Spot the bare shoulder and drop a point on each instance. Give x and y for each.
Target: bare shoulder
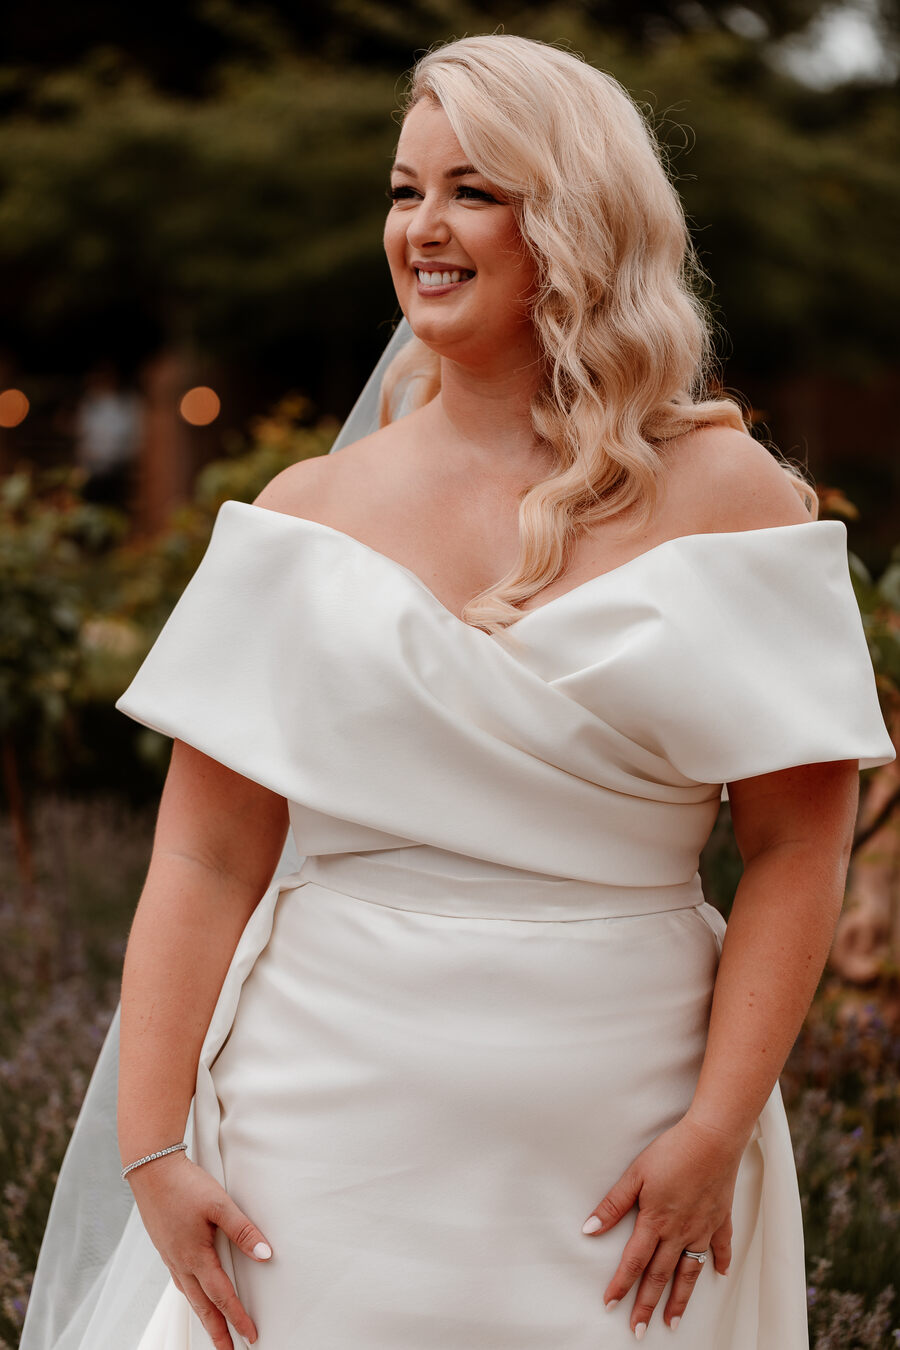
(730, 482)
(301, 488)
(333, 482)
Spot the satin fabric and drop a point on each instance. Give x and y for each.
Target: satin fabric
(487, 986)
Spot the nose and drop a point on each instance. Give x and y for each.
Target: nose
(428, 223)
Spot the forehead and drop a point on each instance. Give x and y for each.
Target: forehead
(426, 134)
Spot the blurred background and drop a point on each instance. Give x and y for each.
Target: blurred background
(193, 291)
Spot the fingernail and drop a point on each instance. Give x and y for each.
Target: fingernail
(262, 1251)
(726, 1270)
(592, 1225)
(613, 1303)
(639, 1331)
(674, 1322)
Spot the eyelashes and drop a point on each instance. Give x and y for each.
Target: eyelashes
(403, 192)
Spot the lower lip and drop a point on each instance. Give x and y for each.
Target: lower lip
(441, 290)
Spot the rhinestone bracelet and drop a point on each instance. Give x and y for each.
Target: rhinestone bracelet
(150, 1157)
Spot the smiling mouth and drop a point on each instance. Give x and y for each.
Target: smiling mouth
(434, 280)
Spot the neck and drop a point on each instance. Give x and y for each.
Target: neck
(483, 414)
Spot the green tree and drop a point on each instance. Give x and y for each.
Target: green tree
(384, 33)
(46, 534)
(249, 222)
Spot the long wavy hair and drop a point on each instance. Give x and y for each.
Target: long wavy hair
(627, 359)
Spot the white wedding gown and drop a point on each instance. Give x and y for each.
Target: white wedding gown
(487, 985)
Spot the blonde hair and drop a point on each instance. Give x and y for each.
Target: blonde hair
(624, 336)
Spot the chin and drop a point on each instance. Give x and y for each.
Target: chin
(431, 328)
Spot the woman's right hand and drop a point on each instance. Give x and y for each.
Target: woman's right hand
(181, 1207)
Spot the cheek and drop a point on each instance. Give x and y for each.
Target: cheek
(394, 243)
(509, 249)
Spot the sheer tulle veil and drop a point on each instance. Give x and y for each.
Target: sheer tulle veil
(98, 1276)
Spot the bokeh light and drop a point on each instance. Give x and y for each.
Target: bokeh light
(200, 406)
(14, 407)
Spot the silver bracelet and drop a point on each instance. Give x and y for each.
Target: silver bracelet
(150, 1157)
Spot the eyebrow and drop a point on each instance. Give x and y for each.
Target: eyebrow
(459, 170)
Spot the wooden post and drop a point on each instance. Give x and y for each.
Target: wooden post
(165, 469)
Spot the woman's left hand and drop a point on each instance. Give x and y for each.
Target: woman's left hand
(683, 1184)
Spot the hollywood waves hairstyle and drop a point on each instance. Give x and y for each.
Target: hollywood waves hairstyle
(624, 335)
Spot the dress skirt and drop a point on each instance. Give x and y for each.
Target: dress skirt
(419, 1100)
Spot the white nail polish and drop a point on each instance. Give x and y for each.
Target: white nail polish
(262, 1251)
(639, 1331)
(613, 1303)
(592, 1225)
(674, 1322)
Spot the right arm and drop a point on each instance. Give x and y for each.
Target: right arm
(217, 842)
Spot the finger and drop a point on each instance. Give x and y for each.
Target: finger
(636, 1256)
(225, 1214)
(687, 1273)
(616, 1203)
(222, 1295)
(720, 1245)
(213, 1322)
(653, 1282)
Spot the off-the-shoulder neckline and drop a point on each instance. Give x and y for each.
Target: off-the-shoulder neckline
(557, 600)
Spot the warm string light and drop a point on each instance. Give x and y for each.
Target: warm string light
(200, 406)
(14, 407)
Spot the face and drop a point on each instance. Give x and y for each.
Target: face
(447, 218)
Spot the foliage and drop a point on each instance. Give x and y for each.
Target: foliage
(842, 1091)
(385, 34)
(81, 600)
(146, 576)
(879, 602)
(49, 540)
(275, 441)
(258, 208)
(211, 219)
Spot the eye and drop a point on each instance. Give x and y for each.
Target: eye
(403, 192)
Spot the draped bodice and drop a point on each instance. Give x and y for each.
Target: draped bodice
(588, 742)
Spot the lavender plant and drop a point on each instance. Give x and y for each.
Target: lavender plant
(842, 1090)
(60, 961)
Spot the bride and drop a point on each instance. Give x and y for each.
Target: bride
(483, 1068)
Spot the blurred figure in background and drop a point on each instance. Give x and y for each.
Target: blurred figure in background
(107, 428)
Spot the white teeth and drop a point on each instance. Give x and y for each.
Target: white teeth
(440, 278)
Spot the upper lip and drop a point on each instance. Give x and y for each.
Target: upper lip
(433, 265)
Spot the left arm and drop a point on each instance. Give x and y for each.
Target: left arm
(794, 829)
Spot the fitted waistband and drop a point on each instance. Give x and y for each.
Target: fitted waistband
(434, 881)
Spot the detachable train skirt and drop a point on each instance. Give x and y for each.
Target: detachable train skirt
(419, 1100)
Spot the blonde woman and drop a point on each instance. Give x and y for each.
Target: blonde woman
(486, 1071)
